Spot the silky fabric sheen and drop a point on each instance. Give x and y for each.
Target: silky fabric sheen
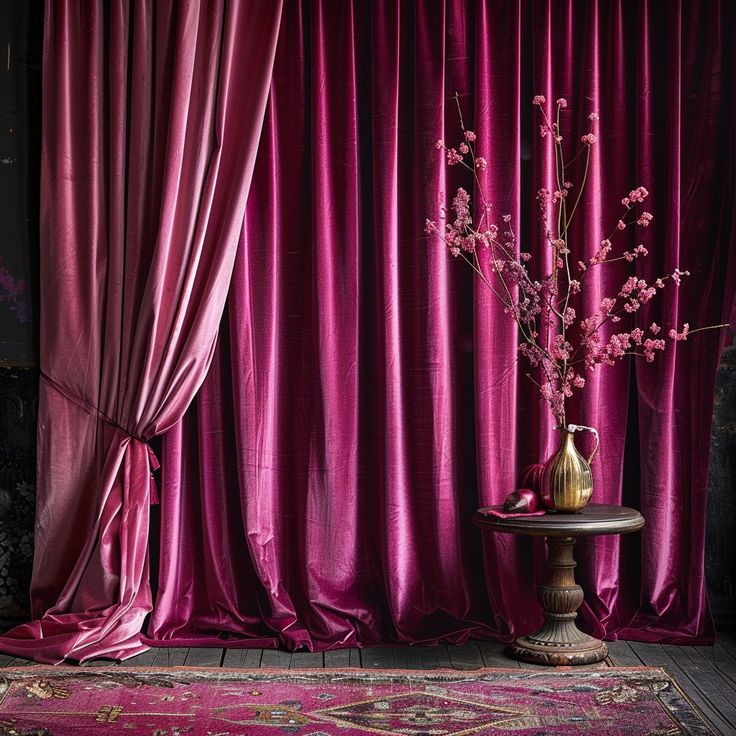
(151, 117)
(365, 397)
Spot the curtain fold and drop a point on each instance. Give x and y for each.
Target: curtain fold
(367, 399)
(152, 116)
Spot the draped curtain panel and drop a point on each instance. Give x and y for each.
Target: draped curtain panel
(365, 396)
(152, 113)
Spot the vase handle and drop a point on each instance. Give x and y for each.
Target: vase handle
(576, 427)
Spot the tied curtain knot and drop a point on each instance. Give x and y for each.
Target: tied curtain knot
(153, 462)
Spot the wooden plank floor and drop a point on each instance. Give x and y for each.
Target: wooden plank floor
(706, 674)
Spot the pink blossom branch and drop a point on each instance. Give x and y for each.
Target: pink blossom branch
(709, 327)
(537, 306)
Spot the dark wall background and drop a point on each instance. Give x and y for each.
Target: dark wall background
(21, 25)
(21, 28)
(720, 551)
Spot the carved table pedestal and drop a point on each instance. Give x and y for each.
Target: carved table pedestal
(559, 641)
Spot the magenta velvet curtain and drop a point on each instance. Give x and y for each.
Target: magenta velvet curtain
(365, 399)
(152, 115)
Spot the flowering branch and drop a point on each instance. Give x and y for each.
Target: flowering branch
(554, 339)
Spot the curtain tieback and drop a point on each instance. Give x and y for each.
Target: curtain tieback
(153, 463)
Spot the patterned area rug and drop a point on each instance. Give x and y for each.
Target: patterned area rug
(56, 701)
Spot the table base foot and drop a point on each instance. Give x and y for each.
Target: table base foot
(584, 650)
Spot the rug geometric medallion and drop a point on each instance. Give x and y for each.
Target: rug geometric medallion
(65, 701)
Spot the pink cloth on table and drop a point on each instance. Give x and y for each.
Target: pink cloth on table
(491, 511)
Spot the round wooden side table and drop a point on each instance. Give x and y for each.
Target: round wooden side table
(559, 641)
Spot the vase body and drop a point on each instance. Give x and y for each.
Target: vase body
(567, 481)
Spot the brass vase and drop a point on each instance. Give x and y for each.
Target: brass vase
(567, 482)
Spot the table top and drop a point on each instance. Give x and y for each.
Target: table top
(590, 520)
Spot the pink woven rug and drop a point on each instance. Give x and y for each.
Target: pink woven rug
(57, 701)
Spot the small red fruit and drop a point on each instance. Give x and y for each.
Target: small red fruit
(523, 501)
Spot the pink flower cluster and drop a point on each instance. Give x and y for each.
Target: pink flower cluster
(558, 342)
(457, 155)
(636, 195)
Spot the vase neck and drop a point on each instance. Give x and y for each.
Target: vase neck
(568, 441)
